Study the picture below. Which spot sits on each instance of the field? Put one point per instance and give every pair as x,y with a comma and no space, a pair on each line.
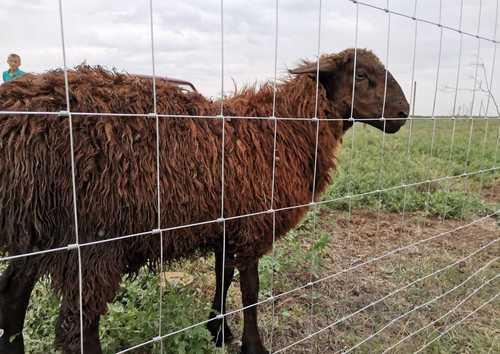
392,206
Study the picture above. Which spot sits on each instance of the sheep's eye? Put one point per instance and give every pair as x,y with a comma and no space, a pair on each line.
360,76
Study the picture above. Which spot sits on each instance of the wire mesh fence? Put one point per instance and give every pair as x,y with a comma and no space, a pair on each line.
421,192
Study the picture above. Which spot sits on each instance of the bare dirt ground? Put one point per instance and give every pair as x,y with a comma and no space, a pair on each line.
491,193
379,278
360,237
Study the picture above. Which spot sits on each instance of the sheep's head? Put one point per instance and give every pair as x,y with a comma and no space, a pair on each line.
336,75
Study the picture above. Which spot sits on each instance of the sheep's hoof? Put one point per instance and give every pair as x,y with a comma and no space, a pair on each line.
12,345
215,330
236,342
228,338
253,349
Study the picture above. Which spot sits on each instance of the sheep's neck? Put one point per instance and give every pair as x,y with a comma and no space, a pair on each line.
296,98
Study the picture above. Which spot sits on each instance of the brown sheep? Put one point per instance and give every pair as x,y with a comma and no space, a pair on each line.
115,159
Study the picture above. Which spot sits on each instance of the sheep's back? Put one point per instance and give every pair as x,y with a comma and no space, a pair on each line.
115,169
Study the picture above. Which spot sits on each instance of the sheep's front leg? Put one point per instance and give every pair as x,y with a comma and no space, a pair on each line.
16,284
215,325
249,283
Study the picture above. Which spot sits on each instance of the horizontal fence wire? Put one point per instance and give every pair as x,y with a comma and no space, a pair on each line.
334,275
64,114
157,230
423,305
219,220
423,20
242,216
446,314
443,333
392,293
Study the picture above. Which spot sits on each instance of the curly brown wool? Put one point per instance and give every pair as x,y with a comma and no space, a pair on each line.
115,167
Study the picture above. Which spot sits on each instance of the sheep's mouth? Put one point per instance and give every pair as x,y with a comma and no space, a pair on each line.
346,124
388,125
394,126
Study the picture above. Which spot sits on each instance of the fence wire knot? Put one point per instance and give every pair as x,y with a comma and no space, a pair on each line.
72,246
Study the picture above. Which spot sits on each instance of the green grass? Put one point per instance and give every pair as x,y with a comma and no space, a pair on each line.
477,335
407,159
133,317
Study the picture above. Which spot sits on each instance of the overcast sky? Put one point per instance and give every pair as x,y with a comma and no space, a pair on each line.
116,33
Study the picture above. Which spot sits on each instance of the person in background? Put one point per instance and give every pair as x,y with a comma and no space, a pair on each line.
14,72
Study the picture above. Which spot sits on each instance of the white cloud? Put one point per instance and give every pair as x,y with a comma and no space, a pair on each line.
116,34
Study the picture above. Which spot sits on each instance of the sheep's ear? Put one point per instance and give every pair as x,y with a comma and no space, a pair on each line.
312,68
325,65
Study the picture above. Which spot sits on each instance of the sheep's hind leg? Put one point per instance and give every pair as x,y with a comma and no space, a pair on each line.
16,284
100,280
68,330
215,325
249,283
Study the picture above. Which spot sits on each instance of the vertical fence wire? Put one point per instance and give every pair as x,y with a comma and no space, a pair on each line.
315,207
273,179
433,114
383,119
497,149
405,177
490,98
158,172
223,156
350,176
483,150
316,119
67,114
471,112
454,112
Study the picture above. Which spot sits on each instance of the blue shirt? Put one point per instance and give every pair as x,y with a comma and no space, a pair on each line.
7,75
